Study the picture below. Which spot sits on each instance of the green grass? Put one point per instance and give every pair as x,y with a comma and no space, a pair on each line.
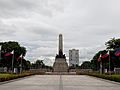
109,77
113,77
6,77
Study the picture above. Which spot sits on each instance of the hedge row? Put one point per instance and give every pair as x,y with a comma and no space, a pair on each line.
6,77
103,76
108,77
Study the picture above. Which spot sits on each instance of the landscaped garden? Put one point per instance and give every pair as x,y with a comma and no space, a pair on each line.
7,76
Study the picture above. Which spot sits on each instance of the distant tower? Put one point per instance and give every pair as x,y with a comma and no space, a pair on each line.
73,57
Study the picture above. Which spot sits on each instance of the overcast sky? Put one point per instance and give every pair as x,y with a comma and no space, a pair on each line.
85,24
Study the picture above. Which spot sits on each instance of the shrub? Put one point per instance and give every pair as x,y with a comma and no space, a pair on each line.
6,77
108,77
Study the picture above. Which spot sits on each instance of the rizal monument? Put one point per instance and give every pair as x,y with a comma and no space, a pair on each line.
60,64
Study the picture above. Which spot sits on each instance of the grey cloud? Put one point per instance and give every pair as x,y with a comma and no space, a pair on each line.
87,53
48,61
25,8
45,32
7,30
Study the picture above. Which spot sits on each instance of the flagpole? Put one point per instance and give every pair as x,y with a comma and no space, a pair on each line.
13,62
100,65
0,52
109,61
21,65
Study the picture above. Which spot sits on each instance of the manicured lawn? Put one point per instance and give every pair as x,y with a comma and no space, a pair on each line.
114,77
6,77
109,77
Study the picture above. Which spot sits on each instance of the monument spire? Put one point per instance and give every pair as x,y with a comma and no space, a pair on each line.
60,43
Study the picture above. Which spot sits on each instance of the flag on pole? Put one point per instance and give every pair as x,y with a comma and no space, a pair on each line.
20,57
10,53
99,58
117,53
105,55
0,47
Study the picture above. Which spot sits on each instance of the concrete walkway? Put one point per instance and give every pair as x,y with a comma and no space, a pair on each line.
60,82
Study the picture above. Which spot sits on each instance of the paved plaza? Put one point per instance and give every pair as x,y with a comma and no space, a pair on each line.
60,82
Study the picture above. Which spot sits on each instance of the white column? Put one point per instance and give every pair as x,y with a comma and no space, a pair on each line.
60,42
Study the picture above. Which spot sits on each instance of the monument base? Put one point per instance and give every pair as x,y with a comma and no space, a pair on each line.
60,65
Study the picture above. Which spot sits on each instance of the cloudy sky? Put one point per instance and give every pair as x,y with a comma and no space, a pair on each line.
85,24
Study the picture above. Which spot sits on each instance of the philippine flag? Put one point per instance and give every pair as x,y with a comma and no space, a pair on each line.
99,58
10,53
20,57
117,53
105,55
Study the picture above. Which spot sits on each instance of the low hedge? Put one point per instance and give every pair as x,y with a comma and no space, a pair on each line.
104,76
6,77
108,77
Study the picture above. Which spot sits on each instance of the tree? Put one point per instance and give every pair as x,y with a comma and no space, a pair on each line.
95,64
86,65
113,44
9,47
38,64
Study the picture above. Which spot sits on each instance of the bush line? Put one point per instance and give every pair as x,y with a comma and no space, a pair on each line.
113,77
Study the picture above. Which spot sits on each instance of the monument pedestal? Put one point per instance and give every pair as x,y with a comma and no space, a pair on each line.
60,65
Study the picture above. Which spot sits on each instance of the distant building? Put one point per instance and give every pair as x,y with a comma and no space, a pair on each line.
73,57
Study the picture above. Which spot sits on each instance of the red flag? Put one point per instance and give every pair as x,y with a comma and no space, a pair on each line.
105,55
117,53
20,57
10,53
99,58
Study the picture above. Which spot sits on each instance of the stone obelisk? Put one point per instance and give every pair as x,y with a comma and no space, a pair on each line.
60,43
60,64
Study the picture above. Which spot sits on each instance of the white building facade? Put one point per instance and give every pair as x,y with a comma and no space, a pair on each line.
73,57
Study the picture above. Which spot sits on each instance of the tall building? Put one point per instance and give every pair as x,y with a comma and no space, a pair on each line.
73,57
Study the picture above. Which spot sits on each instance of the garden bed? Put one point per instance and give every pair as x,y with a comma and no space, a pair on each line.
6,77
113,77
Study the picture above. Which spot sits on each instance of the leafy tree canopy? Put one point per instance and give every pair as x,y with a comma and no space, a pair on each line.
113,44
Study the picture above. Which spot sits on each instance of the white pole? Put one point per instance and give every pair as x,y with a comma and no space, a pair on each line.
21,65
100,65
0,52
109,61
13,62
